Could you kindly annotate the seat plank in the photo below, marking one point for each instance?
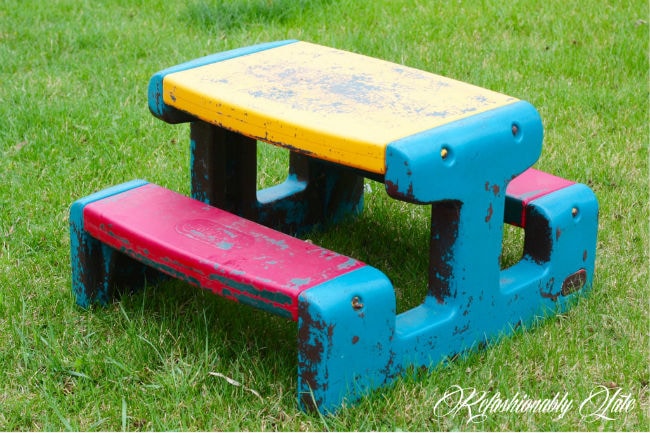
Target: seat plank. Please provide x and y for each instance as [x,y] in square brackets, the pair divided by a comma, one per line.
[528,186]
[213,249]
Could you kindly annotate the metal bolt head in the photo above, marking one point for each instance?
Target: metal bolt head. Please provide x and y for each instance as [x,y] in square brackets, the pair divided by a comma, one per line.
[515,129]
[444,153]
[574,211]
[356,303]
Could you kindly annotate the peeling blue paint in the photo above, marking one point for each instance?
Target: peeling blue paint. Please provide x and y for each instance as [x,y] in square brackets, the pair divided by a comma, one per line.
[86,286]
[225,245]
[349,264]
[299,282]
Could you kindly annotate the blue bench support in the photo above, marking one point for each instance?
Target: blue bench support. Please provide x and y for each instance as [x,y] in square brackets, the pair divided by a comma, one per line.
[360,349]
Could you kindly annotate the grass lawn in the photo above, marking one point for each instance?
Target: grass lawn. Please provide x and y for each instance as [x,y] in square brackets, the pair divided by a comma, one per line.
[74,119]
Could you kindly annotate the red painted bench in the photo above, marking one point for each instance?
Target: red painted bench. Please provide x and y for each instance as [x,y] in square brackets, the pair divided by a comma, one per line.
[211,248]
[528,186]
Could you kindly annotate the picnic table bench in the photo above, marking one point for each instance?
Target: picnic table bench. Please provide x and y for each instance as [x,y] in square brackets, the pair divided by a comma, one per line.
[463,150]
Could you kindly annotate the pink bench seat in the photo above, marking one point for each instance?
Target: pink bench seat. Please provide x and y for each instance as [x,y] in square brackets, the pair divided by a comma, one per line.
[213,249]
[528,186]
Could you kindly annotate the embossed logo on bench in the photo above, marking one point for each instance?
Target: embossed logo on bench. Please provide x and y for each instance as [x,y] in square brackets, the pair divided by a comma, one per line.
[214,233]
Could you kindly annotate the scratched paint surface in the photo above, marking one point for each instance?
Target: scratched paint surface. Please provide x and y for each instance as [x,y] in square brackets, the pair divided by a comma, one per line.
[214,249]
[333,104]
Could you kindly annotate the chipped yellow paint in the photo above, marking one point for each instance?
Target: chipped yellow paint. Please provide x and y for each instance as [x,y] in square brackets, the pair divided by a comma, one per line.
[332,104]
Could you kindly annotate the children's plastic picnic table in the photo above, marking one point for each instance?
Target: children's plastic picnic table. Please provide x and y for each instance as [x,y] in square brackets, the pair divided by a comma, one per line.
[463,150]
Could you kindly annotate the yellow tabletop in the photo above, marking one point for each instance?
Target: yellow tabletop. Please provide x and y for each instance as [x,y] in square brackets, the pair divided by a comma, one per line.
[331,104]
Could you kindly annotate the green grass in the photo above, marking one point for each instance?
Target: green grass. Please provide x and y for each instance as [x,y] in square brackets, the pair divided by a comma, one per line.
[74,119]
